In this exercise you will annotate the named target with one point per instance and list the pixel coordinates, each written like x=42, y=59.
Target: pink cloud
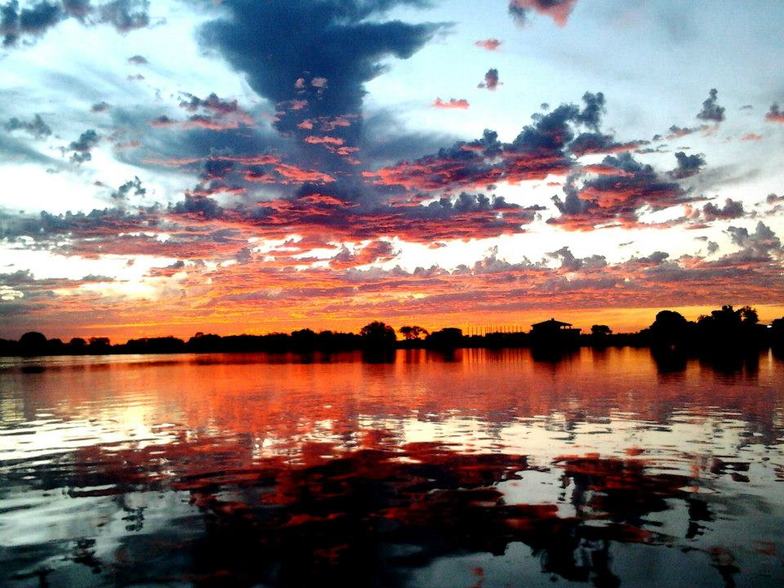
x=451, y=104
x=489, y=44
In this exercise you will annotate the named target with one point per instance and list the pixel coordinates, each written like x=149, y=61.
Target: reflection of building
x=553, y=332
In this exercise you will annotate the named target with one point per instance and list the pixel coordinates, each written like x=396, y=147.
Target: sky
x=231, y=166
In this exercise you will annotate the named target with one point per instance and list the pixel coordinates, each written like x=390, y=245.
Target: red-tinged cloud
x=212, y=113
x=618, y=192
x=344, y=289
x=451, y=104
x=258, y=169
x=598, y=143
x=541, y=149
x=489, y=44
x=327, y=124
x=558, y=10
x=323, y=140
x=299, y=175
x=752, y=137
x=775, y=115
x=466, y=217
x=200, y=121
x=374, y=252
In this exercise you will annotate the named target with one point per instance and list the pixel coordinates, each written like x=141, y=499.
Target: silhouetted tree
x=303, y=340
x=77, y=345
x=413, y=333
x=449, y=337
x=378, y=335
x=600, y=330
x=727, y=329
x=33, y=343
x=669, y=329
x=201, y=343
x=99, y=345
x=749, y=315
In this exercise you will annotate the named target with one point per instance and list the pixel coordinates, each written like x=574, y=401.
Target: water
x=477, y=469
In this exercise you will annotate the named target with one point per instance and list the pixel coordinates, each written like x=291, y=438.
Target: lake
x=477, y=468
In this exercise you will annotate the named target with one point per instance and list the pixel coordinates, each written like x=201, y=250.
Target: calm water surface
x=479, y=469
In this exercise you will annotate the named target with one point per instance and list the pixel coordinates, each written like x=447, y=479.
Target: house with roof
x=556, y=333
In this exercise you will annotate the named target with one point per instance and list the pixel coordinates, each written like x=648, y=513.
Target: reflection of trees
x=366, y=517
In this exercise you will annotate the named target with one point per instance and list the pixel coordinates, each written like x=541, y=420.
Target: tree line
x=725, y=330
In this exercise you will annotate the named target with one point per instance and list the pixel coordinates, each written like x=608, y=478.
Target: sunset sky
x=235, y=166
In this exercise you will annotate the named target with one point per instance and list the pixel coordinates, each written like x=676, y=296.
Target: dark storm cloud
x=28, y=23
x=36, y=127
x=312, y=58
x=138, y=60
x=688, y=165
x=711, y=111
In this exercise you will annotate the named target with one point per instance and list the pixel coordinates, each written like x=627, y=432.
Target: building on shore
x=553, y=333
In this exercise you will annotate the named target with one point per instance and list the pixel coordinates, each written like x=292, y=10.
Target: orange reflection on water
x=419, y=469
x=472, y=397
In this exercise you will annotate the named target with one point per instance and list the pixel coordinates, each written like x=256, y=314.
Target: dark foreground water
x=480, y=469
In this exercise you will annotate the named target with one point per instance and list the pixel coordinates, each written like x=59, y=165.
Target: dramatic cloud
x=491, y=80
x=451, y=104
x=489, y=44
x=540, y=149
x=711, y=111
x=558, y=10
x=277, y=160
x=312, y=59
x=614, y=194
